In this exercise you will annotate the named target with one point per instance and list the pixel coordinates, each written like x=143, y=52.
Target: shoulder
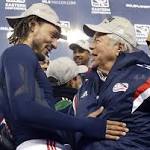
x=20, y=52
x=19, y=49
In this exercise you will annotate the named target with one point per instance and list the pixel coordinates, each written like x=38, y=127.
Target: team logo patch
x=84, y=94
x=118, y=87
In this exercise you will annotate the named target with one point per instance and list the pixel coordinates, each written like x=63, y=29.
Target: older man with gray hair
x=120, y=82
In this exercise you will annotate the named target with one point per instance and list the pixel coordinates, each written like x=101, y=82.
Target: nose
x=92, y=46
x=54, y=43
x=76, y=54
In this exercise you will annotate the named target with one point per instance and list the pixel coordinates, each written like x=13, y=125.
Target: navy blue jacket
x=24, y=95
x=125, y=96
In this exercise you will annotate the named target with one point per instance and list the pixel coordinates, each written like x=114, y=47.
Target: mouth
x=94, y=55
x=47, y=50
x=93, y=58
x=78, y=60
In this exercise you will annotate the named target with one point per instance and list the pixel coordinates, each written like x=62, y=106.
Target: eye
x=97, y=41
x=55, y=35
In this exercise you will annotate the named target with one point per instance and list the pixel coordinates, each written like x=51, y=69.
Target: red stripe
x=142, y=88
x=75, y=102
x=51, y=145
x=48, y=148
x=54, y=144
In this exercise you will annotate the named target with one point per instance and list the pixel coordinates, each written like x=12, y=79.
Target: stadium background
x=74, y=13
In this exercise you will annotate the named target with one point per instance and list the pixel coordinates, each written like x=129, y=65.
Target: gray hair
x=127, y=46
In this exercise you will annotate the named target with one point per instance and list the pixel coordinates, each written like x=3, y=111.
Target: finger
x=110, y=137
x=97, y=112
x=115, y=133
x=116, y=123
x=116, y=128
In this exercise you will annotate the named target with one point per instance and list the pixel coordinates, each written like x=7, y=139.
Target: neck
x=105, y=68
x=28, y=41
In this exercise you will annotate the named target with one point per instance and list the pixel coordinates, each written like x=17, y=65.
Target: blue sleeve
x=20, y=72
x=87, y=97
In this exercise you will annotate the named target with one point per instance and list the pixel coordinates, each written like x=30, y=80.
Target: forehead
x=51, y=28
x=98, y=34
x=80, y=50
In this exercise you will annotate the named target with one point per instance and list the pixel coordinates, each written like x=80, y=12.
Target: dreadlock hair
x=22, y=28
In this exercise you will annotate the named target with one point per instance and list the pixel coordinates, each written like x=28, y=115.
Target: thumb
x=96, y=113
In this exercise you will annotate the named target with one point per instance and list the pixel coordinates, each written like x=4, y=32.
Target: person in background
x=25, y=90
x=148, y=40
x=120, y=82
x=63, y=73
x=81, y=52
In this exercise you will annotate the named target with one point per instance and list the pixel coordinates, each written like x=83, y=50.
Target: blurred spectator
x=63, y=75
x=81, y=52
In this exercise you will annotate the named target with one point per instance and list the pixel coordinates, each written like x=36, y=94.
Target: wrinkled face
x=103, y=50
x=81, y=56
x=44, y=37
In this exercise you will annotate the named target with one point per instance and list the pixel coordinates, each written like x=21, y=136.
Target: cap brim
x=73, y=46
x=90, y=29
x=12, y=20
x=82, y=69
x=64, y=37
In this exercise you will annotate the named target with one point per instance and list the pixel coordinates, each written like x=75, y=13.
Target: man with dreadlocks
x=25, y=90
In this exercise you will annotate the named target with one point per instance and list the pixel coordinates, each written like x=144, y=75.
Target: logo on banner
x=141, y=31
x=15, y=5
x=100, y=3
x=60, y=2
x=2, y=28
x=8, y=30
x=138, y=6
x=100, y=7
x=65, y=24
x=65, y=27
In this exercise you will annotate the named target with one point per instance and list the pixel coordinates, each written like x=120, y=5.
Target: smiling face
x=81, y=56
x=43, y=37
x=104, y=51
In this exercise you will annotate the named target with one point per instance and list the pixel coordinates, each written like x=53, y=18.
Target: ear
x=69, y=83
x=32, y=25
x=121, y=47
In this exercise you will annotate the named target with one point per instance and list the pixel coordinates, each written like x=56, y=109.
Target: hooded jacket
x=125, y=96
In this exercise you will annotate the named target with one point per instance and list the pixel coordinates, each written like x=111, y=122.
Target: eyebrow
x=56, y=34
